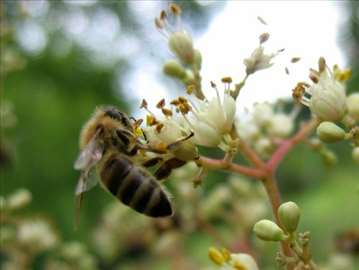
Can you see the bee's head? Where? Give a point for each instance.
(117, 115)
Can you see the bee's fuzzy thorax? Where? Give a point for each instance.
(90, 127)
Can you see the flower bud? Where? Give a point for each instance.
(289, 215)
(19, 199)
(355, 154)
(243, 261)
(267, 230)
(174, 69)
(328, 101)
(216, 256)
(329, 132)
(181, 45)
(353, 105)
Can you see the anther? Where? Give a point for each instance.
(175, 9)
(161, 104)
(263, 38)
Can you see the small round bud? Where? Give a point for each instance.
(174, 69)
(19, 199)
(353, 105)
(329, 132)
(181, 45)
(355, 154)
(216, 256)
(243, 261)
(267, 230)
(289, 215)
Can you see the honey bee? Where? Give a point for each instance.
(109, 148)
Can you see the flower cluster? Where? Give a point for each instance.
(286, 231)
(265, 127)
(326, 97)
(26, 239)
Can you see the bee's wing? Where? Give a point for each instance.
(87, 180)
(90, 155)
(86, 162)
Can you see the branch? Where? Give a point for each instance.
(288, 144)
(221, 164)
(250, 154)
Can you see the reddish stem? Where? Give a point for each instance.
(229, 166)
(287, 145)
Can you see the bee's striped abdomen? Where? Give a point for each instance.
(135, 187)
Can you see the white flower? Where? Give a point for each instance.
(326, 97)
(171, 130)
(258, 60)
(262, 114)
(19, 199)
(37, 235)
(242, 261)
(281, 125)
(210, 120)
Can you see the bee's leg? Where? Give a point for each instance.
(166, 168)
(179, 141)
(123, 140)
(152, 162)
(166, 147)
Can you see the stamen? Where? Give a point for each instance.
(321, 64)
(159, 127)
(190, 89)
(163, 15)
(143, 104)
(159, 23)
(167, 112)
(151, 120)
(161, 104)
(214, 86)
(261, 20)
(295, 60)
(263, 38)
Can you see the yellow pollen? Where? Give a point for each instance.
(227, 80)
(190, 89)
(226, 254)
(238, 266)
(341, 75)
(182, 99)
(216, 256)
(166, 112)
(138, 132)
(159, 127)
(175, 102)
(150, 120)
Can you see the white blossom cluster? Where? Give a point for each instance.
(327, 99)
(265, 127)
(25, 238)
